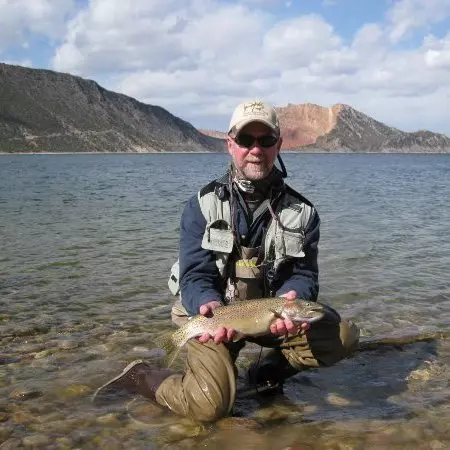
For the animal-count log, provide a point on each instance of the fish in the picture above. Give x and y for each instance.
(250, 318)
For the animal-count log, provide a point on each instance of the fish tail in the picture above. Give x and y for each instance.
(167, 343)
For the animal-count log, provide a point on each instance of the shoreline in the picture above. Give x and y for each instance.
(283, 153)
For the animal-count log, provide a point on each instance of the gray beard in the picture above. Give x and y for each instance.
(254, 192)
(258, 187)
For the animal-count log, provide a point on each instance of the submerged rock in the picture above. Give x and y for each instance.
(36, 440)
(238, 423)
(25, 394)
(73, 391)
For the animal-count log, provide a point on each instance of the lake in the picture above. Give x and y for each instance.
(86, 244)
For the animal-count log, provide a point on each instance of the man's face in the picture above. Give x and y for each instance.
(255, 162)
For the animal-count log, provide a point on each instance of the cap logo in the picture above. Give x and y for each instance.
(253, 108)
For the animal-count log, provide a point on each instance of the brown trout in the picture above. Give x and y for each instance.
(248, 318)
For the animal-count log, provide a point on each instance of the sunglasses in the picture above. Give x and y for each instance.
(248, 141)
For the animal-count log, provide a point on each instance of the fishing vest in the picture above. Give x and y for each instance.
(285, 238)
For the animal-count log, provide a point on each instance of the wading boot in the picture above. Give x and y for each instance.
(137, 378)
(266, 377)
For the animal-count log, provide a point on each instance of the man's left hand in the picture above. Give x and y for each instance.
(282, 327)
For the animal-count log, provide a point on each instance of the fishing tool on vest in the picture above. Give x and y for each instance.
(246, 271)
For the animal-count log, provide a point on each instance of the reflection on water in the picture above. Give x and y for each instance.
(86, 242)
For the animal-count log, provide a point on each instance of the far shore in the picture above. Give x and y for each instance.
(283, 152)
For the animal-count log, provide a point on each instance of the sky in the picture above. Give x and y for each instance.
(389, 59)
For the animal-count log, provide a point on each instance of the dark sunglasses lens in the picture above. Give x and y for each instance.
(246, 140)
(267, 141)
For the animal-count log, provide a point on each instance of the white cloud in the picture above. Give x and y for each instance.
(42, 17)
(261, 3)
(407, 16)
(437, 52)
(296, 42)
(124, 35)
(198, 58)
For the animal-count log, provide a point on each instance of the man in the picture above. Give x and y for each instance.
(245, 235)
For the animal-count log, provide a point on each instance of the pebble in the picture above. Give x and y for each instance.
(25, 394)
(11, 444)
(5, 433)
(337, 400)
(64, 443)
(109, 420)
(7, 359)
(146, 413)
(275, 412)
(35, 440)
(68, 344)
(99, 349)
(185, 444)
(185, 429)
(238, 423)
(43, 354)
(73, 391)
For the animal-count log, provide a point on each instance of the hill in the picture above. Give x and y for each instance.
(46, 111)
(341, 128)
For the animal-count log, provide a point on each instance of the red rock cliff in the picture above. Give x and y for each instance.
(302, 124)
(341, 128)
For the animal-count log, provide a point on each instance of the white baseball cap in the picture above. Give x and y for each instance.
(253, 111)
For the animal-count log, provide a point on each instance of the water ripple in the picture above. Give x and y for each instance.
(87, 242)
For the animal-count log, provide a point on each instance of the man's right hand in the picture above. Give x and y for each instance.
(223, 334)
(207, 309)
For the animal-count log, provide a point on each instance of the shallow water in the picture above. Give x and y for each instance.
(86, 243)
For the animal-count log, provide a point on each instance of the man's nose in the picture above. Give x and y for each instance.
(256, 146)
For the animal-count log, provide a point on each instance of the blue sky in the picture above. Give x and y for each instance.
(198, 58)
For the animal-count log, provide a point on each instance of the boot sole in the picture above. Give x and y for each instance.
(118, 377)
(264, 391)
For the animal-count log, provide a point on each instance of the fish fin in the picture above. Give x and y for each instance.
(166, 343)
(277, 315)
(237, 336)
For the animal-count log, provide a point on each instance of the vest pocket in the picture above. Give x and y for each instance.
(218, 237)
(174, 279)
(293, 243)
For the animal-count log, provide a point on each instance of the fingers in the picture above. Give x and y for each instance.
(281, 327)
(290, 326)
(208, 308)
(278, 327)
(205, 310)
(230, 334)
(305, 326)
(222, 335)
(204, 338)
(291, 295)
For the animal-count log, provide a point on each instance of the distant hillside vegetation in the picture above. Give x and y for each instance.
(46, 111)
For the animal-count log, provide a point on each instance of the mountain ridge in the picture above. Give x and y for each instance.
(342, 128)
(53, 112)
(46, 111)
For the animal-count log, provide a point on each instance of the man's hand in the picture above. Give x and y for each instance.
(281, 327)
(223, 334)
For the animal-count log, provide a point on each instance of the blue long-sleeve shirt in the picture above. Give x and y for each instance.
(200, 281)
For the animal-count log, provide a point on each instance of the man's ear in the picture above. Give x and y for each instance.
(230, 143)
(280, 142)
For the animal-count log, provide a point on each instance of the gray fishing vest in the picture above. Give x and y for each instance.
(285, 237)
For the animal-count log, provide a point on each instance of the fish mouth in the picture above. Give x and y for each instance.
(313, 316)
